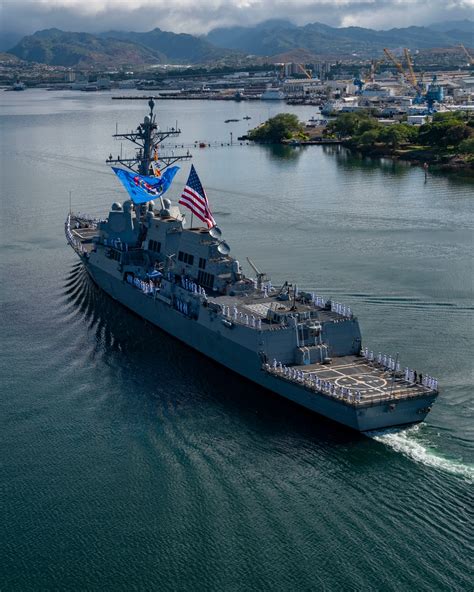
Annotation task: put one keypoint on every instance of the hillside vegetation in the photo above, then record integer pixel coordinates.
(448, 140)
(280, 36)
(61, 48)
(270, 38)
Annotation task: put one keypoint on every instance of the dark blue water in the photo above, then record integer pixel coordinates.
(129, 462)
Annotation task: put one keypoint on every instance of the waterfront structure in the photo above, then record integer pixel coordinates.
(272, 94)
(182, 278)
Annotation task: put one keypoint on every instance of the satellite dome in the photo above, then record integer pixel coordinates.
(166, 203)
(164, 213)
(116, 207)
(127, 205)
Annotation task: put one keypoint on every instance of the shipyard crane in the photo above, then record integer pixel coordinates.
(408, 76)
(394, 60)
(468, 55)
(412, 78)
(305, 72)
(373, 68)
(359, 83)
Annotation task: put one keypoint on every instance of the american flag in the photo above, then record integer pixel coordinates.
(194, 197)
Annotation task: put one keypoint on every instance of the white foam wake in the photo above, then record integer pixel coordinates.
(407, 442)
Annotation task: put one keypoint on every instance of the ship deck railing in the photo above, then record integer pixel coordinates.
(352, 381)
(73, 240)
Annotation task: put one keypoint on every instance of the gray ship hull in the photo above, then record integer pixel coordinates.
(212, 341)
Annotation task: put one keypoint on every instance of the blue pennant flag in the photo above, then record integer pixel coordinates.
(141, 188)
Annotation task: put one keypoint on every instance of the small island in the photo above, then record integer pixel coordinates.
(276, 130)
(446, 142)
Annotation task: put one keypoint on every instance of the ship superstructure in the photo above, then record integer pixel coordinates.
(295, 343)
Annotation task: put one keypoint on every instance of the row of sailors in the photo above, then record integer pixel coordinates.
(149, 288)
(384, 360)
(89, 219)
(318, 301)
(393, 364)
(72, 240)
(181, 306)
(428, 381)
(314, 381)
(116, 243)
(245, 319)
(189, 285)
(342, 309)
(266, 288)
(145, 287)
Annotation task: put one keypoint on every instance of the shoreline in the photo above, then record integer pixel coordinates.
(444, 162)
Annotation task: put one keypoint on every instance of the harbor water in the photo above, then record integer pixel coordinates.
(130, 462)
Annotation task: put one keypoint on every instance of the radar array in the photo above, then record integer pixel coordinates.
(148, 138)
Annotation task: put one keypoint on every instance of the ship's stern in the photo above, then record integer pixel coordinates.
(394, 413)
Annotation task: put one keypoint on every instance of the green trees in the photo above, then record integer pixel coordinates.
(364, 130)
(369, 138)
(397, 134)
(447, 134)
(351, 124)
(467, 146)
(446, 129)
(283, 126)
(450, 131)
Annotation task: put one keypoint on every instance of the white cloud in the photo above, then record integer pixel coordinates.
(199, 16)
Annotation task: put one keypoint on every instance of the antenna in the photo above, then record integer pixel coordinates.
(293, 307)
(147, 137)
(260, 275)
(170, 262)
(282, 288)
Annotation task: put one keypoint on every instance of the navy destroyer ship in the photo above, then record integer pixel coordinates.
(183, 279)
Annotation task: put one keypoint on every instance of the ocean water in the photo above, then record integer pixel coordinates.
(130, 462)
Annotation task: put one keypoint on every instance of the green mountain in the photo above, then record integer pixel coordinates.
(270, 38)
(178, 48)
(60, 48)
(276, 37)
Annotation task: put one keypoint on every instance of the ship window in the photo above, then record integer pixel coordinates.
(186, 258)
(206, 280)
(113, 254)
(154, 245)
(202, 263)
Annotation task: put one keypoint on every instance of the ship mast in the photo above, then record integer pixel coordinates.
(148, 137)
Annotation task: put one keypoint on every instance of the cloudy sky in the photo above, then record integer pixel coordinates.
(199, 16)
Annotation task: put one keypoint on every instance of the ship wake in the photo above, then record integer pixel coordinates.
(408, 442)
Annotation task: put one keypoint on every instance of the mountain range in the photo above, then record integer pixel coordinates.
(270, 38)
(278, 36)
